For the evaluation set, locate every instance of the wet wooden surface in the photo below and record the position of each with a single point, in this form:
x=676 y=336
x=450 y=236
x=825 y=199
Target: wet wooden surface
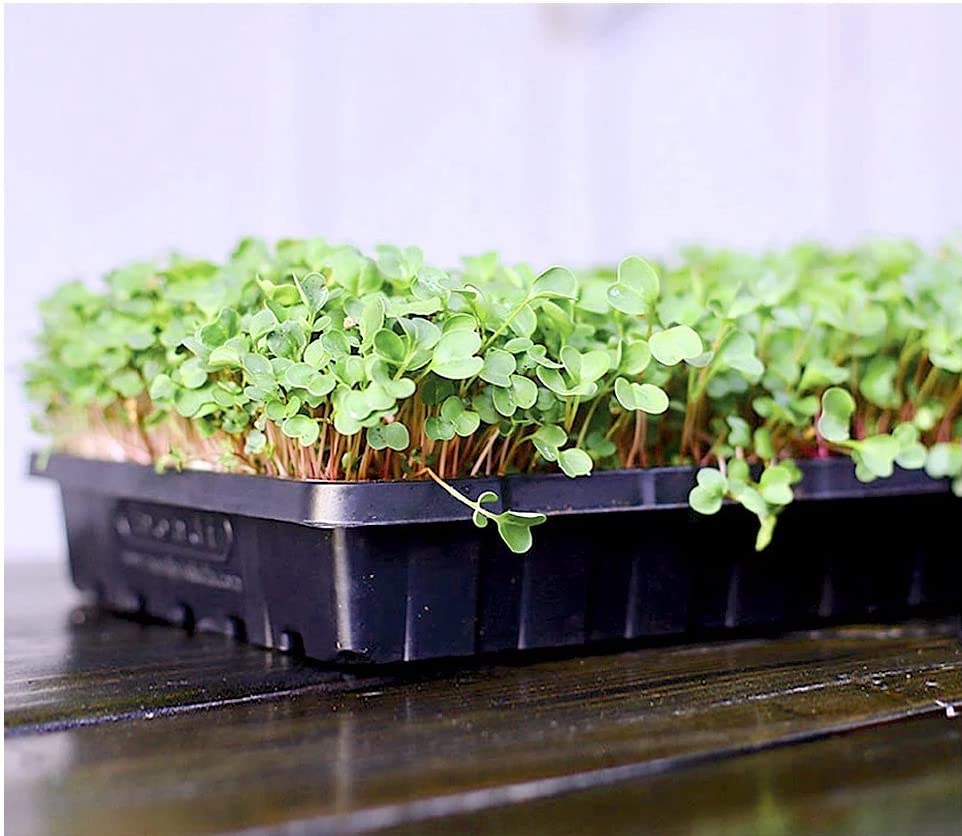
x=900 y=778
x=117 y=727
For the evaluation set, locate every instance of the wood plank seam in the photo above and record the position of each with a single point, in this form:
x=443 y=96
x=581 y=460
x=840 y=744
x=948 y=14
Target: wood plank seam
x=476 y=801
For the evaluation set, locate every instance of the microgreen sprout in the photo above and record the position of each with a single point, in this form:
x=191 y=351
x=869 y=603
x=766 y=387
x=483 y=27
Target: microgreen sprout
x=513 y=526
x=318 y=361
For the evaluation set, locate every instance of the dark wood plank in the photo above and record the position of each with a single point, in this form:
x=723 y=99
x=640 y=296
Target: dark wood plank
x=898 y=778
x=361 y=753
x=68 y=663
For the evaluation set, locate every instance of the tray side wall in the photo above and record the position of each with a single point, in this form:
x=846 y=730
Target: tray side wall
x=417 y=591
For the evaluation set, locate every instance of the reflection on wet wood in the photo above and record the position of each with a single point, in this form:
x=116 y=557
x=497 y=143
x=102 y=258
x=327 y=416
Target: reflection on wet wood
x=192 y=751
x=899 y=778
x=67 y=664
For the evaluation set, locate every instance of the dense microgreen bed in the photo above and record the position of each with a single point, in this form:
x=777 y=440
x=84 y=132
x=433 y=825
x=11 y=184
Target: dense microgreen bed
x=318 y=361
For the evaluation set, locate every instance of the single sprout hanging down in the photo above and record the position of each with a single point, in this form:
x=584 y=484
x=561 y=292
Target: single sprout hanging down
x=513 y=526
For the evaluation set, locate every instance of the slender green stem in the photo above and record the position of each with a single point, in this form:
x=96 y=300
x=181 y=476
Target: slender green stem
x=927 y=385
x=588 y=417
x=460 y=497
x=508 y=320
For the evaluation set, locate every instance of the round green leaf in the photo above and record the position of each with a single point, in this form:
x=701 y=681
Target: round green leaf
x=639 y=276
x=762 y=442
x=912 y=456
x=313 y=291
x=255 y=364
x=515 y=529
x=821 y=371
x=193 y=374
x=458 y=369
x=439 y=429
x=775 y=486
x=316 y=356
x=389 y=346
x=705 y=501
x=837 y=408
x=635 y=358
x=467 y=423
x=452 y=408
x=498 y=367
x=453 y=355
x=191 y=402
x=261 y=323
x=709 y=477
x=288 y=340
x=162 y=388
x=302 y=428
x=548 y=439
x=878 y=454
x=737 y=352
x=394 y=436
x=298 y=375
x=594 y=364
x=671 y=346
x=320 y=385
x=518 y=345
x=627 y=301
x=944 y=459
x=255 y=442
x=516 y=537
x=636 y=290
x=751 y=499
x=525 y=391
x=504 y=401
x=223 y=355
x=575 y=462
x=371 y=319
x=740 y=432
x=555 y=283
x=641 y=396
x=709 y=491
x=878 y=382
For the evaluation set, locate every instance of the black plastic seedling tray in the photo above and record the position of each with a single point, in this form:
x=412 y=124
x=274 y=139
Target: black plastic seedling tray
x=395 y=571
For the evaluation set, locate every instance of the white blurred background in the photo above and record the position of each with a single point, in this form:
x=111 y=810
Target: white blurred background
x=570 y=134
